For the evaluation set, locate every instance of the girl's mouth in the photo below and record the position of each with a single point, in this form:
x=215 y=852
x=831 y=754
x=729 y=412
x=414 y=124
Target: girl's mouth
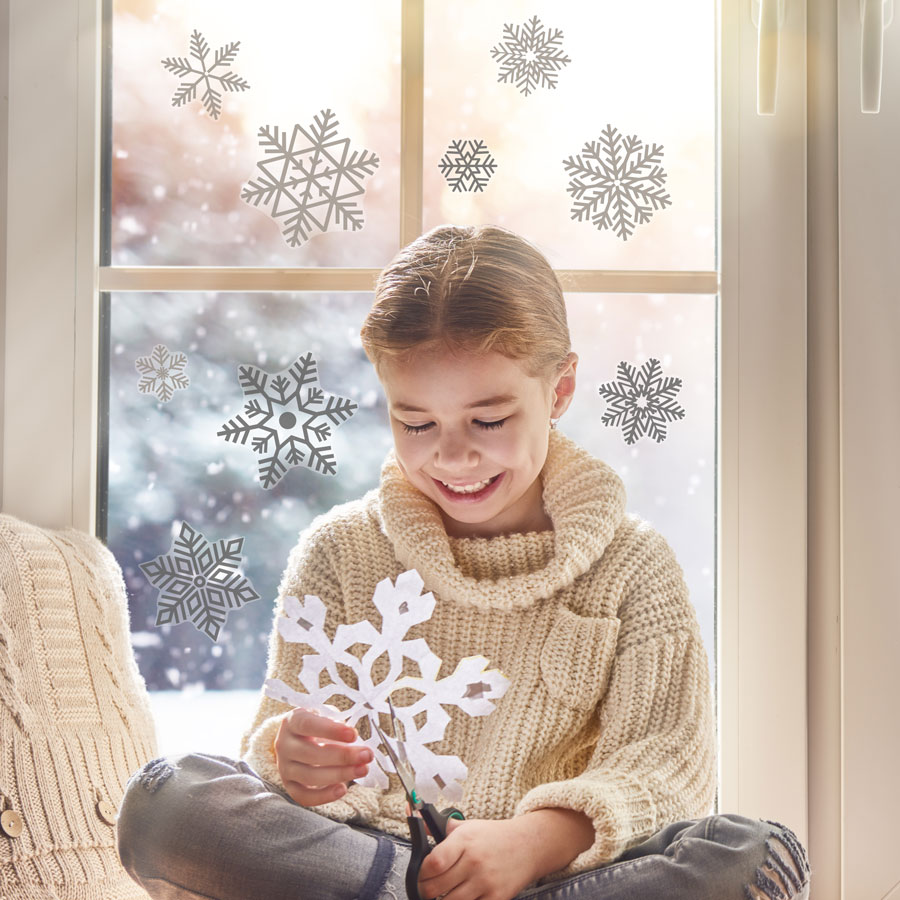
x=470 y=493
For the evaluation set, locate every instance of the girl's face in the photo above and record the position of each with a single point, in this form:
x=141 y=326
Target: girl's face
x=471 y=432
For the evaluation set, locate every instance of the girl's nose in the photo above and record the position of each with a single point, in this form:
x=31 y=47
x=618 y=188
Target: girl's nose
x=454 y=453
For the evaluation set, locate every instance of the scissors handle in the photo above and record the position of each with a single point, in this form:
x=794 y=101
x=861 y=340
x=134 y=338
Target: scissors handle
x=437 y=825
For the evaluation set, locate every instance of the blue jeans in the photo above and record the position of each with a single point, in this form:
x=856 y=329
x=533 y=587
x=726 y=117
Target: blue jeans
x=207 y=827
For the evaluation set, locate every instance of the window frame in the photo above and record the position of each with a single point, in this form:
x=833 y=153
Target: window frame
x=52 y=335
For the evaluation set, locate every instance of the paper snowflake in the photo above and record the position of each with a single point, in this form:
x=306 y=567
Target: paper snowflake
x=641 y=401
x=311 y=179
x=288 y=419
x=530 y=56
x=467 y=165
x=472 y=687
x=199 y=581
x=162 y=373
x=617 y=183
x=205 y=74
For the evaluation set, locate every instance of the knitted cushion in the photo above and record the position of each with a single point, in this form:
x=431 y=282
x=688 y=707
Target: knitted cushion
x=75 y=716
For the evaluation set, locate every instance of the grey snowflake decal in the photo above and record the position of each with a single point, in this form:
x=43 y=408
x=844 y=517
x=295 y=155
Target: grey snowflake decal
x=213 y=82
x=162 y=373
x=467 y=165
x=641 y=401
x=288 y=419
x=199 y=581
x=617 y=182
x=530 y=56
x=310 y=178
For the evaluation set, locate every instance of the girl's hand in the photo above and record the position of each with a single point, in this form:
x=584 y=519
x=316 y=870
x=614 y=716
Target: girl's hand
x=314 y=758
x=496 y=859
x=479 y=858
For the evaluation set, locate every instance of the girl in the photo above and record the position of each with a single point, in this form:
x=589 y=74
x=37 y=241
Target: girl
x=595 y=774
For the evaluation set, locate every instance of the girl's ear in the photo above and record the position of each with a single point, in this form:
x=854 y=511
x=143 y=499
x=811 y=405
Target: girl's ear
x=564 y=386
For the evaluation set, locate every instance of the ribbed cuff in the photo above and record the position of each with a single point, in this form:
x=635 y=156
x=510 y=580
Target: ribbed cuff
x=622 y=812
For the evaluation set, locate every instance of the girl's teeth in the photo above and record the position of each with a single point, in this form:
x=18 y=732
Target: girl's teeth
x=469 y=488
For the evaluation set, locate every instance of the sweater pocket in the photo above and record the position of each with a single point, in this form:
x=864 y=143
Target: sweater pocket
x=577 y=657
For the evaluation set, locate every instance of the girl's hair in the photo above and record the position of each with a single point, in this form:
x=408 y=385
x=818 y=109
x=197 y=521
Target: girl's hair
x=467 y=288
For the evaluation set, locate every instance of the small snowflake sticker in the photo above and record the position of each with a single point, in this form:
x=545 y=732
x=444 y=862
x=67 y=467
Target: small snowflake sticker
x=288 y=419
x=162 y=373
x=310 y=178
x=641 y=401
x=617 y=183
x=467 y=165
x=472 y=687
x=530 y=56
x=205 y=73
x=199 y=581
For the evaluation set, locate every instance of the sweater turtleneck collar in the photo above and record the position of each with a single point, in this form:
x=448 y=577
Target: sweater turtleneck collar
x=583 y=496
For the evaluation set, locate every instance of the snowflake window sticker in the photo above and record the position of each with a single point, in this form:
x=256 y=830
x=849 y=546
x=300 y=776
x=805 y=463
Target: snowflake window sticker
x=641 y=401
x=472 y=687
x=213 y=81
x=617 y=182
x=530 y=56
x=288 y=419
x=199 y=581
x=310 y=178
x=467 y=165
x=162 y=373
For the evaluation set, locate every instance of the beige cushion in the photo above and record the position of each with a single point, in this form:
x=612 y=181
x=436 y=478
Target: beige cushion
x=75 y=717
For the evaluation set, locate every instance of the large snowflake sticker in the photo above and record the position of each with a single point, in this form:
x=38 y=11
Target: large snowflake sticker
x=617 y=182
x=467 y=165
x=472 y=687
x=530 y=56
x=208 y=74
x=200 y=581
x=641 y=401
x=162 y=373
x=310 y=178
x=288 y=419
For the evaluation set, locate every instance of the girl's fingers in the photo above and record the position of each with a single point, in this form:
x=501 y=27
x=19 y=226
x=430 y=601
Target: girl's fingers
x=314 y=796
x=314 y=752
x=322 y=776
x=305 y=723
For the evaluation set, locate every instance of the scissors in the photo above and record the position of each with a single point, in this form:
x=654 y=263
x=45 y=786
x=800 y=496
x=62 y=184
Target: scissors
x=420 y=813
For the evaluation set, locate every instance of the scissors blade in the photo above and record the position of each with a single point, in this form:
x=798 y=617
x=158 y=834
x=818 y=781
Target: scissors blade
x=401 y=742
x=401 y=767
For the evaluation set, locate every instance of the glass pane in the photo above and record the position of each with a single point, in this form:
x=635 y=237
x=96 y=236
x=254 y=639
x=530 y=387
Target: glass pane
x=646 y=70
x=168 y=464
x=670 y=477
x=178 y=172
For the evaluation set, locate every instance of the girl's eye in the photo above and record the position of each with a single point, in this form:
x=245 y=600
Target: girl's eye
x=490 y=425
x=416 y=429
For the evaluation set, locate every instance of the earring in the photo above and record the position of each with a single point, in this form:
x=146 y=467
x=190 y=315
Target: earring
x=553 y=424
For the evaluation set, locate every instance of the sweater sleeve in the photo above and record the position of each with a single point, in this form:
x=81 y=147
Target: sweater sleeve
x=655 y=759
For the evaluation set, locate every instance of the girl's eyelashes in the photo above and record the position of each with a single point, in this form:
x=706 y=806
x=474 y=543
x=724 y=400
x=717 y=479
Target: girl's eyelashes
x=490 y=425
x=416 y=429
x=487 y=426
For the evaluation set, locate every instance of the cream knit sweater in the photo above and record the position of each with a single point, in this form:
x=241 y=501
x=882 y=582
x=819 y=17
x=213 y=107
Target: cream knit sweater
x=75 y=718
x=609 y=707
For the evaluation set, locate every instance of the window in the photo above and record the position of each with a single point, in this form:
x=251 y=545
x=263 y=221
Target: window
x=177 y=172
x=53 y=307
